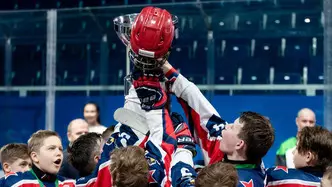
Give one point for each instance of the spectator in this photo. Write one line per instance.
(92, 117)
(76, 128)
(305, 118)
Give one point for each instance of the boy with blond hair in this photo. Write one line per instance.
(45, 151)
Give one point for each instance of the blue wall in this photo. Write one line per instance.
(20, 117)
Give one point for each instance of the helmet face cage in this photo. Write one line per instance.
(146, 63)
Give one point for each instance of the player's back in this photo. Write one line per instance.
(251, 177)
(304, 177)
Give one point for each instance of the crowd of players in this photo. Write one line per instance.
(163, 156)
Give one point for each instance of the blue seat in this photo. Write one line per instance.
(278, 20)
(27, 61)
(298, 50)
(267, 49)
(237, 49)
(316, 70)
(255, 71)
(287, 78)
(309, 20)
(72, 64)
(251, 21)
(225, 71)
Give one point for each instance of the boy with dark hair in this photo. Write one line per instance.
(14, 158)
(218, 174)
(311, 158)
(243, 143)
(45, 151)
(85, 152)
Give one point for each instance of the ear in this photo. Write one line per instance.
(34, 157)
(96, 158)
(309, 158)
(69, 136)
(6, 167)
(240, 145)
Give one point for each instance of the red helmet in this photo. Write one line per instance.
(151, 37)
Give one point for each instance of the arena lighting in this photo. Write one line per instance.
(221, 23)
(287, 78)
(266, 47)
(307, 20)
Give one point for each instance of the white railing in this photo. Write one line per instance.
(310, 89)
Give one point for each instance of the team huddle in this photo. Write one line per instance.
(163, 154)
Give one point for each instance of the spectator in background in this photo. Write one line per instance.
(92, 117)
(76, 128)
(305, 118)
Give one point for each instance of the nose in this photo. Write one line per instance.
(227, 126)
(59, 152)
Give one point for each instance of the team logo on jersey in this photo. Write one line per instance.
(283, 168)
(151, 178)
(247, 184)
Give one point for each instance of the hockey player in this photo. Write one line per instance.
(45, 151)
(240, 141)
(84, 153)
(217, 174)
(14, 158)
(311, 158)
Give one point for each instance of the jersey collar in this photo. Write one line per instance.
(241, 164)
(317, 171)
(46, 177)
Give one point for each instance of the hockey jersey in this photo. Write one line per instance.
(202, 116)
(249, 173)
(28, 179)
(281, 176)
(159, 149)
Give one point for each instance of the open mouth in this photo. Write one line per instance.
(58, 161)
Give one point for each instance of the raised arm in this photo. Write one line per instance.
(201, 115)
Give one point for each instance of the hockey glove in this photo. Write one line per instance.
(149, 90)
